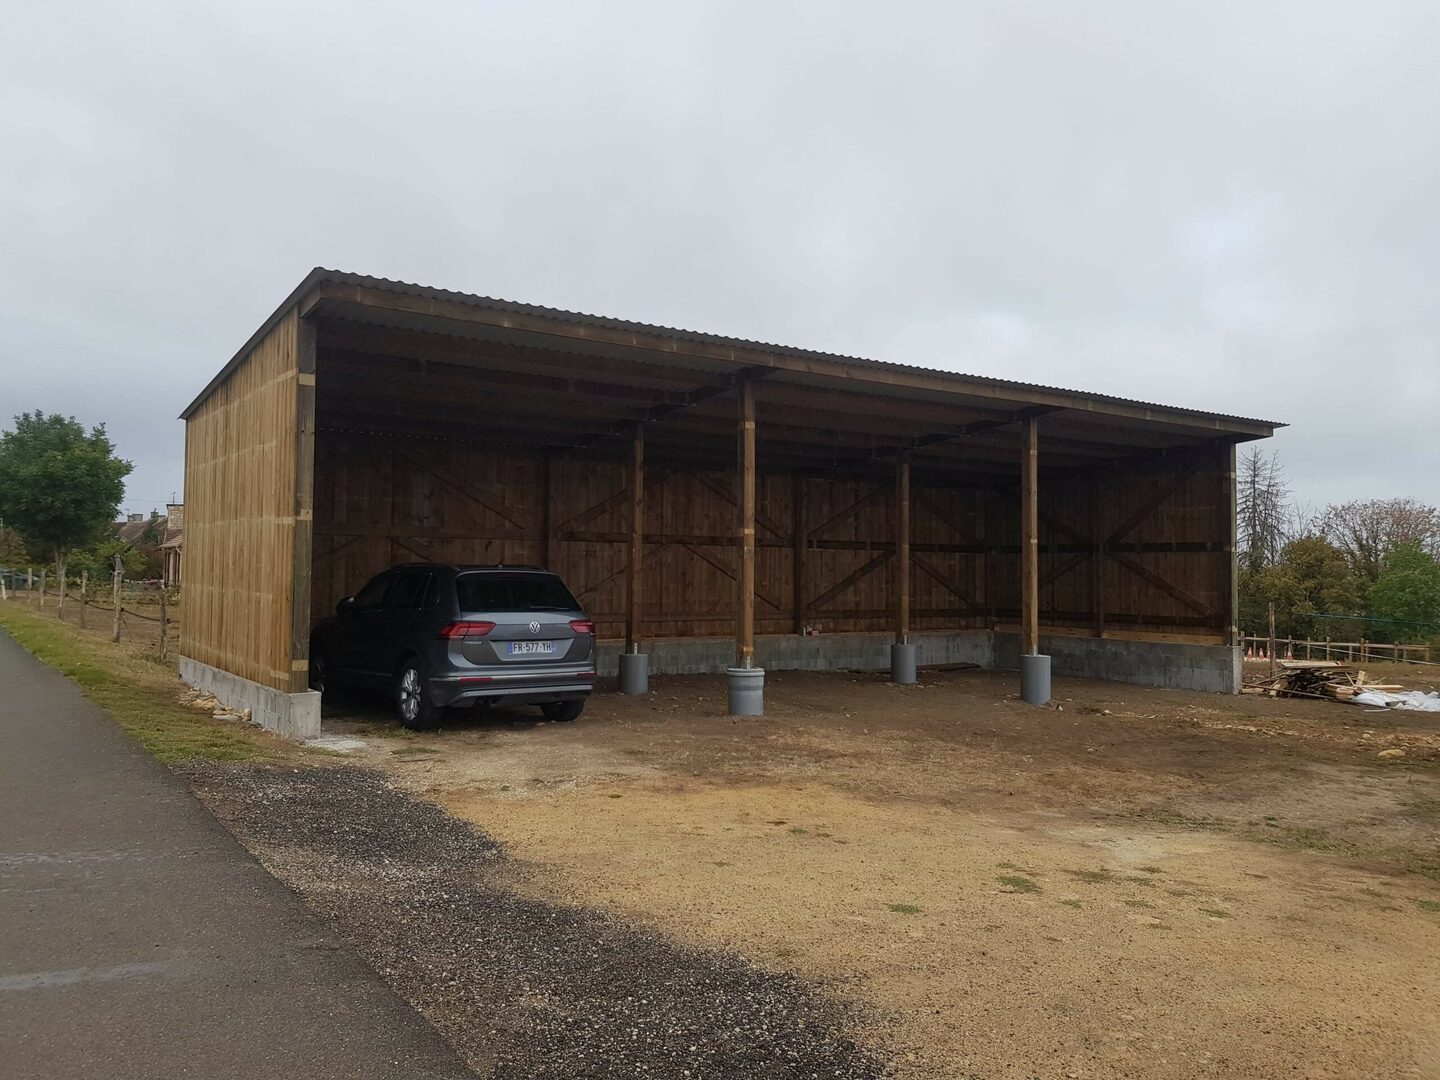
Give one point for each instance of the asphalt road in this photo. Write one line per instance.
(139, 939)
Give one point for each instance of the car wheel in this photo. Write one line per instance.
(413, 707)
(562, 711)
(319, 670)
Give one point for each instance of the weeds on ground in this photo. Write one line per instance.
(1424, 806)
(905, 909)
(141, 694)
(1216, 913)
(1017, 883)
(1303, 838)
(1092, 877)
(1177, 820)
(1428, 905)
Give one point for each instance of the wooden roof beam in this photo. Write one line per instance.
(337, 292)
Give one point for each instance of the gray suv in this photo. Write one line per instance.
(441, 636)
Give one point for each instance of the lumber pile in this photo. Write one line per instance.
(1315, 679)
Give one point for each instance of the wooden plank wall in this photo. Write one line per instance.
(240, 472)
(1161, 526)
(381, 501)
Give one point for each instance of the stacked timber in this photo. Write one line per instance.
(1316, 679)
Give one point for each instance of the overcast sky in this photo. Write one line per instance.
(1224, 205)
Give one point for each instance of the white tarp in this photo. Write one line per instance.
(1414, 700)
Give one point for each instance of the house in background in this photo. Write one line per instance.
(158, 537)
(170, 546)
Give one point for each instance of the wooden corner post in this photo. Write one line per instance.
(902, 551)
(745, 608)
(1029, 540)
(637, 541)
(303, 535)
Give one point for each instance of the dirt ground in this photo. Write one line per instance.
(1131, 883)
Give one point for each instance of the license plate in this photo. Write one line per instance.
(518, 648)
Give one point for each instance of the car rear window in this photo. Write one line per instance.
(495, 591)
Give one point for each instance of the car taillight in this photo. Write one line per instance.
(467, 629)
(582, 626)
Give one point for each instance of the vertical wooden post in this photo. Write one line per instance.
(633, 584)
(302, 542)
(1030, 540)
(1097, 556)
(1271, 645)
(42, 589)
(745, 470)
(164, 624)
(902, 551)
(798, 544)
(60, 598)
(84, 594)
(115, 580)
(547, 518)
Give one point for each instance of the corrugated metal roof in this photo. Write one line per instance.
(321, 275)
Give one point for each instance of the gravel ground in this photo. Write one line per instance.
(523, 988)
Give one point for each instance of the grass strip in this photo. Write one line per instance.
(140, 693)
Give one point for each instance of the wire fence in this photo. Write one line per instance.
(145, 616)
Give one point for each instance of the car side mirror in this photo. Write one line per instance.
(344, 607)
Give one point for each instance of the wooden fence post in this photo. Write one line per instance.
(1271, 645)
(116, 579)
(42, 590)
(164, 624)
(84, 592)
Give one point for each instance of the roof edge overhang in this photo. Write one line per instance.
(334, 288)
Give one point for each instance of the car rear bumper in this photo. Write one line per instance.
(509, 688)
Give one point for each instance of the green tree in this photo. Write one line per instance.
(98, 559)
(1408, 591)
(60, 485)
(12, 549)
(1309, 575)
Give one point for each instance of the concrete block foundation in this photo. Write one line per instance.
(1169, 664)
(296, 716)
(791, 652)
(1174, 665)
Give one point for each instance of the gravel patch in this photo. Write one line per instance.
(523, 988)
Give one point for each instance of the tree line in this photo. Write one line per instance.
(1367, 568)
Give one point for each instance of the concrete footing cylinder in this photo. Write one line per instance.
(902, 663)
(747, 691)
(634, 673)
(1035, 679)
